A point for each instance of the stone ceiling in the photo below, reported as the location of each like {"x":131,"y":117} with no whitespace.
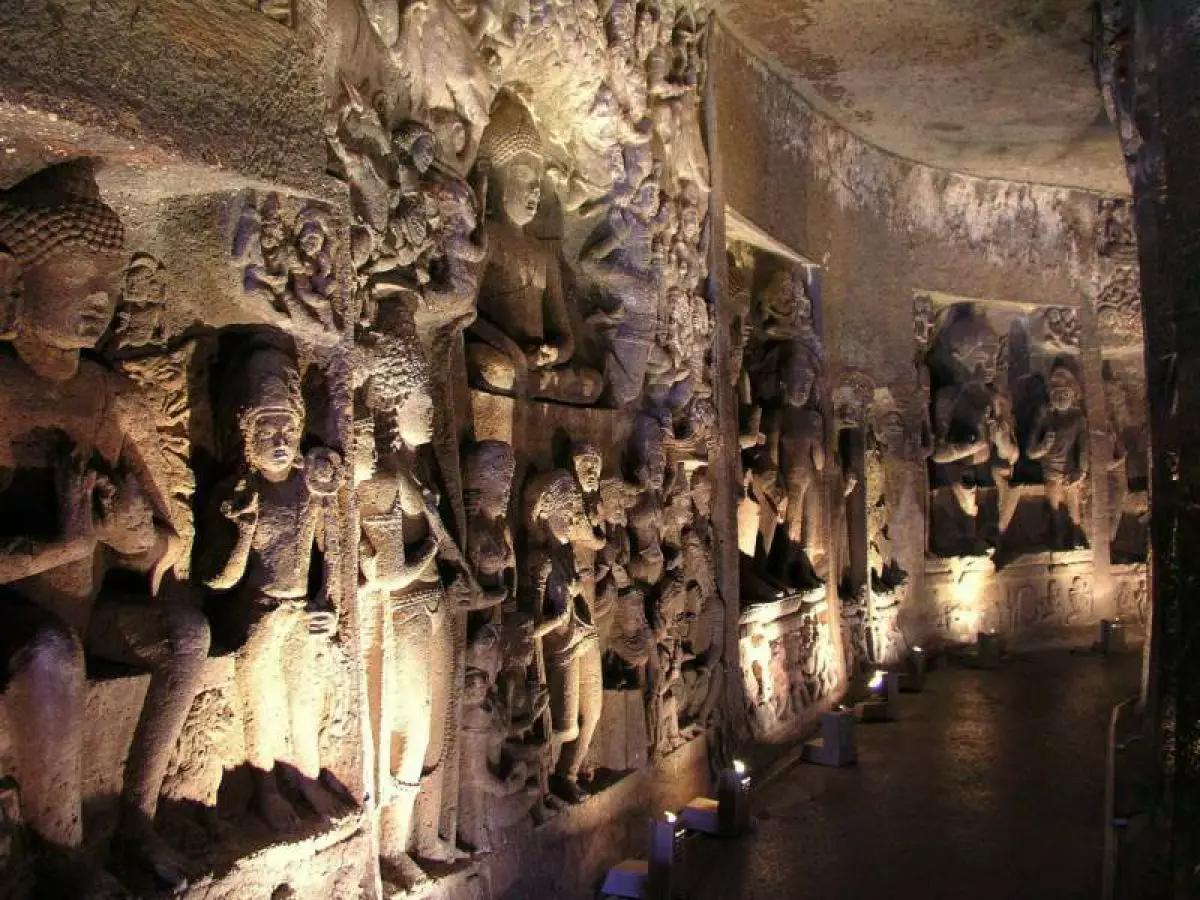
{"x":998,"y":88}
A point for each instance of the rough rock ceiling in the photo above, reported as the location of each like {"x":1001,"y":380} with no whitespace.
{"x":999,"y":88}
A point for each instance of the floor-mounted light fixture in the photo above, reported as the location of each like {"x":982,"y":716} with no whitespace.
{"x":913,"y":680}
{"x":883,"y":698}
{"x":655,"y":877}
{"x":990,"y":649}
{"x":729,"y":814}
{"x":836,"y":746}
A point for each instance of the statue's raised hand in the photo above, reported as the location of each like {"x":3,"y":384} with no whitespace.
{"x":241,"y":510}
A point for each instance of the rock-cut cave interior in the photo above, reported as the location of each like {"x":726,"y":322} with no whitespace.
{"x":562,"y":449}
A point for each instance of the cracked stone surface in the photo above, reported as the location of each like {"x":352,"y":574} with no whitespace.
{"x":1001,"y":89}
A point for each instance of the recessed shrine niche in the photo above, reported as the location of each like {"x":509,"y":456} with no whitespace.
{"x":789,"y":517}
{"x":392,"y":472}
{"x":1019,"y":532}
{"x":178,"y":603}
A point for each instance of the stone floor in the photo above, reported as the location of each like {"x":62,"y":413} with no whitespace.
{"x":989,"y":786}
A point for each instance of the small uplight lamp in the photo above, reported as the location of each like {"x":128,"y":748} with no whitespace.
{"x":1112,"y":636}
{"x":990,"y":648}
{"x":652,"y":878}
{"x":729,"y":814}
{"x":836,"y":745}
{"x":913,"y":680}
{"x":883,"y":702}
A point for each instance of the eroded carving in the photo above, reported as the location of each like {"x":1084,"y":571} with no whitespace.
{"x":974,"y":439}
{"x":1060,"y":442}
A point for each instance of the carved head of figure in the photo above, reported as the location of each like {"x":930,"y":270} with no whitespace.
{"x":398,"y":383}
{"x":126,"y":515}
{"x":587,"y":462}
{"x":616,"y":497}
{"x":1064,"y":389}
{"x":650,"y":458}
{"x":61,"y":261}
{"x":511,"y":150}
{"x":620,"y":22}
{"x":455,"y":206}
{"x":488,"y":479}
{"x":800,"y":372}
{"x":967,"y":350}
{"x":555,"y":508}
{"x":415,"y":144}
{"x":649,"y":18}
{"x":271,"y":418}
{"x":484,"y":654}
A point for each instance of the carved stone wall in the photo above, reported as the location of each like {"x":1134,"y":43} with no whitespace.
{"x":358,"y":432}
{"x":976,"y":299}
{"x":794,"y":515}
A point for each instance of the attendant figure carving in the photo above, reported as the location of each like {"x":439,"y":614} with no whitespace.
{"x":557,"y":523}
{"x":1060,"y":442}
{"x":415,"y":577}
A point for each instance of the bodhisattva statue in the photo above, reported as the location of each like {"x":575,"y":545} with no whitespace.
{"x":974,"y":440}
{"x":522,"y":338}
{"x":1060,"y":442}
{"x":402,"y":541}
{"x":557,"y":524}
{"x":276,"y":508}
{"x":71,"y":441}
{"x":801,"y":454}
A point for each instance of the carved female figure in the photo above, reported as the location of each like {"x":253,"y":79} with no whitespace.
{"x":557,"y":523}
{"x":646,"y":515}
{"x":275,"y":508}
{"x":411,"y":660}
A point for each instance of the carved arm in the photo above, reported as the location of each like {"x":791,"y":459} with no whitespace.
{"x":242,"y":511}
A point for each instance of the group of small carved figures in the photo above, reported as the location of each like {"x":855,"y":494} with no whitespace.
{"x":975,"y":442}
{"x":505,"y":647}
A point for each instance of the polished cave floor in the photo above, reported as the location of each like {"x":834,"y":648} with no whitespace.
{"x":990,"y":786}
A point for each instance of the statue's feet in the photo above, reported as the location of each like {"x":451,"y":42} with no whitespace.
{"x":324,"y":802}
{"x":139,"y":848}
{"x":403,"y":875}
{"x":567,"y":789}
{"x":275,"y":809}
{"x":441,"y":851}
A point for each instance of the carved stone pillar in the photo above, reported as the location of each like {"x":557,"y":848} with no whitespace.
{"x":1147,"y":55}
